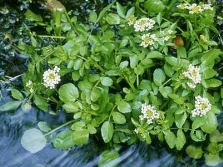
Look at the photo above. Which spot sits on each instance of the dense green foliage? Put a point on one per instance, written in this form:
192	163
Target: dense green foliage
131	73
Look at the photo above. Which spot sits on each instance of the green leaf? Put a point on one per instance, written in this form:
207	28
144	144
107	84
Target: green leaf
43	126
181	52
80	137
93	17
107	158
112	19
64	140
209	73
198	122
32	16
16	94
10	106
106	81
212	159
180	119
165	91
26	106
198	135
118	118
170	138
154	6
216	137
180	139
33	140
210	123
95	94
212	83
208	58
130	12
123	106
40	102
194	152
71	107
159	76
68	92
107	131
159	18
133	60
104	11
120	10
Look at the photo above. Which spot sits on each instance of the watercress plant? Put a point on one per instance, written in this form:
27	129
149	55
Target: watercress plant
130	74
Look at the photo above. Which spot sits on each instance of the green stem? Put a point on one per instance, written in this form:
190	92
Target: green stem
50	36
59	127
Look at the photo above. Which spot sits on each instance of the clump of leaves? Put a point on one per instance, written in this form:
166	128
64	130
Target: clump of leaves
129	75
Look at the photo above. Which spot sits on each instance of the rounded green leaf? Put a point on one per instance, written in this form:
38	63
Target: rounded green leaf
71	107
93	17
95	94
170	138
10	106
123	106
106	81
194	152
154	6
68	92
159	76
107	131
80	137
43	126
64	140
118	118
17	94
40	102
33	140
113	18
212	159
180	139
210	124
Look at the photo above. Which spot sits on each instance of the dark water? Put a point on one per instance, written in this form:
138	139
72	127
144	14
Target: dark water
14	124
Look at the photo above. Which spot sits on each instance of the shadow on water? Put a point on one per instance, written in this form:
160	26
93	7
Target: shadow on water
14	124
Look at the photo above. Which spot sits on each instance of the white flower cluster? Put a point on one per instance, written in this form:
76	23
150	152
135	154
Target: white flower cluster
51	78
148	39
148	113
193	74
29	84
141	132
144	24
131	20
202	106
194	8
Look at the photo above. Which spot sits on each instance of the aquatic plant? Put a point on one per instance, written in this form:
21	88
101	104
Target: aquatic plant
133	73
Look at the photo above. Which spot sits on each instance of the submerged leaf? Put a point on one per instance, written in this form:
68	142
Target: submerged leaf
33	140
10	106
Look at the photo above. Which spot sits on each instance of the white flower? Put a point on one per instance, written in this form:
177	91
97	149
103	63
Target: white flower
202	106
207	7
182	6
148	113
169	31
144	24
193	74
51	78
148	39
194	8
166	38
131	20
29	84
